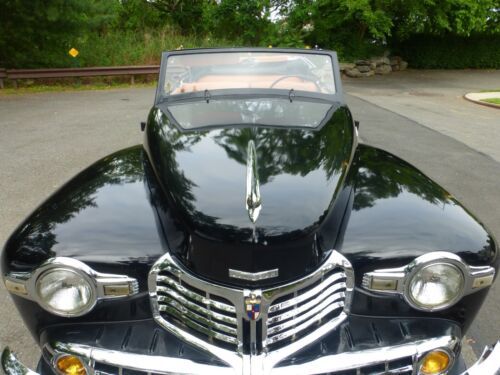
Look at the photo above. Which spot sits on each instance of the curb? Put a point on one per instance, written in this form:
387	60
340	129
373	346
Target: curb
470	99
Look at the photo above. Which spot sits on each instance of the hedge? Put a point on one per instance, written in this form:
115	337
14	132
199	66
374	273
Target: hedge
451	52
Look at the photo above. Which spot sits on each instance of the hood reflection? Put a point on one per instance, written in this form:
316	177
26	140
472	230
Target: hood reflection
83	217
399	214
203	176
204	173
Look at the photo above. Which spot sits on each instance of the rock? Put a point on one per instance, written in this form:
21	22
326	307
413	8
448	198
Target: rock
380	60
373	65
346	66
385	61
403	65
363	63
367	74
354	73
363	68
395	67
383	69
395	60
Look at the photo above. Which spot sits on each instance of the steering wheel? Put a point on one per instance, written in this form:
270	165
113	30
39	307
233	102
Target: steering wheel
306	78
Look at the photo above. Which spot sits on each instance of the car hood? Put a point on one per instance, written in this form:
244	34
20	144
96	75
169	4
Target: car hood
250	197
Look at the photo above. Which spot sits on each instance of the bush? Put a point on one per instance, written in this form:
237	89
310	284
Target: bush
451	52
115	48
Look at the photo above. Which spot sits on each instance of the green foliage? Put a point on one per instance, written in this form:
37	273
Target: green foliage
440	17
282	35
186	16
138	15
247	21
134	48
39	33
361	28
451	51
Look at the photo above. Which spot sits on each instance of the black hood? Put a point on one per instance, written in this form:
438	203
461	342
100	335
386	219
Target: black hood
298	174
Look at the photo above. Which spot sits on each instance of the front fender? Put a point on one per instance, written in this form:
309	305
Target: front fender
397	214
105	217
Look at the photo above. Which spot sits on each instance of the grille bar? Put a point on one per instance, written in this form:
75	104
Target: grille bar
198	327
309	294
194	310
193	306
295	315
311	313
314	302
235	322
193	316
198	298
306	324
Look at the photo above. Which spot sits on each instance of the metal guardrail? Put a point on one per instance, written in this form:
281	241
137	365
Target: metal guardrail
16	74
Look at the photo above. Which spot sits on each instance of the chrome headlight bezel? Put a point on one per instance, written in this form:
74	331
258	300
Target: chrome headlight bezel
102	285
420	267
397	280
90	283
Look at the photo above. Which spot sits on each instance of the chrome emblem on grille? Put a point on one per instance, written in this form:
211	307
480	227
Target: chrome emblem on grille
252	306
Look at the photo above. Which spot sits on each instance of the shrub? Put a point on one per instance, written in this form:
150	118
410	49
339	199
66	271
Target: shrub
451	52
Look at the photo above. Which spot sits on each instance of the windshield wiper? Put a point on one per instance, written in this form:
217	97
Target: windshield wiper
207	96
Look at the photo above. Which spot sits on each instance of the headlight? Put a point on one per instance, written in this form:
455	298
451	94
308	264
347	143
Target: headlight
435	286
65	292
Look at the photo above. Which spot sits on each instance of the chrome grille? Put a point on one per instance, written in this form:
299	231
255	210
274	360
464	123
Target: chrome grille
294	314
215	318
210	316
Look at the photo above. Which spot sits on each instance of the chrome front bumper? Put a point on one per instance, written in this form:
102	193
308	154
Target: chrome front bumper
487	364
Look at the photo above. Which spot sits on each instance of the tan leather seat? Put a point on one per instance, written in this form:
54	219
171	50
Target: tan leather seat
218	82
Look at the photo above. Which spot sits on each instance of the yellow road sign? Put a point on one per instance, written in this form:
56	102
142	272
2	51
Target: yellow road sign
73	52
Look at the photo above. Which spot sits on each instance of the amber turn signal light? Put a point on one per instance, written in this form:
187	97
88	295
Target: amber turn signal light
71	365
435	362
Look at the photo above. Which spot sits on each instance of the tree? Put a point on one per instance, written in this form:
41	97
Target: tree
37	33
248	21
139	15
185	15
360	25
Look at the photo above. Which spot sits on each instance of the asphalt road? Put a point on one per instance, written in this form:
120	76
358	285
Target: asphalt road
47	138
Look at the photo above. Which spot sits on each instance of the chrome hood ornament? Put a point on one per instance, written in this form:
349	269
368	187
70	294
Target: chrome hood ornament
253	201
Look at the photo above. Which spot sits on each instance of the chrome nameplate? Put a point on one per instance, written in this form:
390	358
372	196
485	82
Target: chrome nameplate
264	275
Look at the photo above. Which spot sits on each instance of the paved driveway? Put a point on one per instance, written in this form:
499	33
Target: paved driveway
47	138
434	99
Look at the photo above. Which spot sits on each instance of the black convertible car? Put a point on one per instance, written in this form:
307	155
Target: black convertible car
250	234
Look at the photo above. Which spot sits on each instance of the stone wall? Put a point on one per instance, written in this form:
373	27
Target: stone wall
375	65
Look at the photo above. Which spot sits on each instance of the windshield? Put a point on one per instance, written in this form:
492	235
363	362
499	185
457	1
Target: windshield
191	73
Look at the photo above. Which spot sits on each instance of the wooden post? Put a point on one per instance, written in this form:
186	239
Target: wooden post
3	75
132	80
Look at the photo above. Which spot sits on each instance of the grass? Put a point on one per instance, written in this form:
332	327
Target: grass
72	86
497	90
118	48
492	101
112	49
